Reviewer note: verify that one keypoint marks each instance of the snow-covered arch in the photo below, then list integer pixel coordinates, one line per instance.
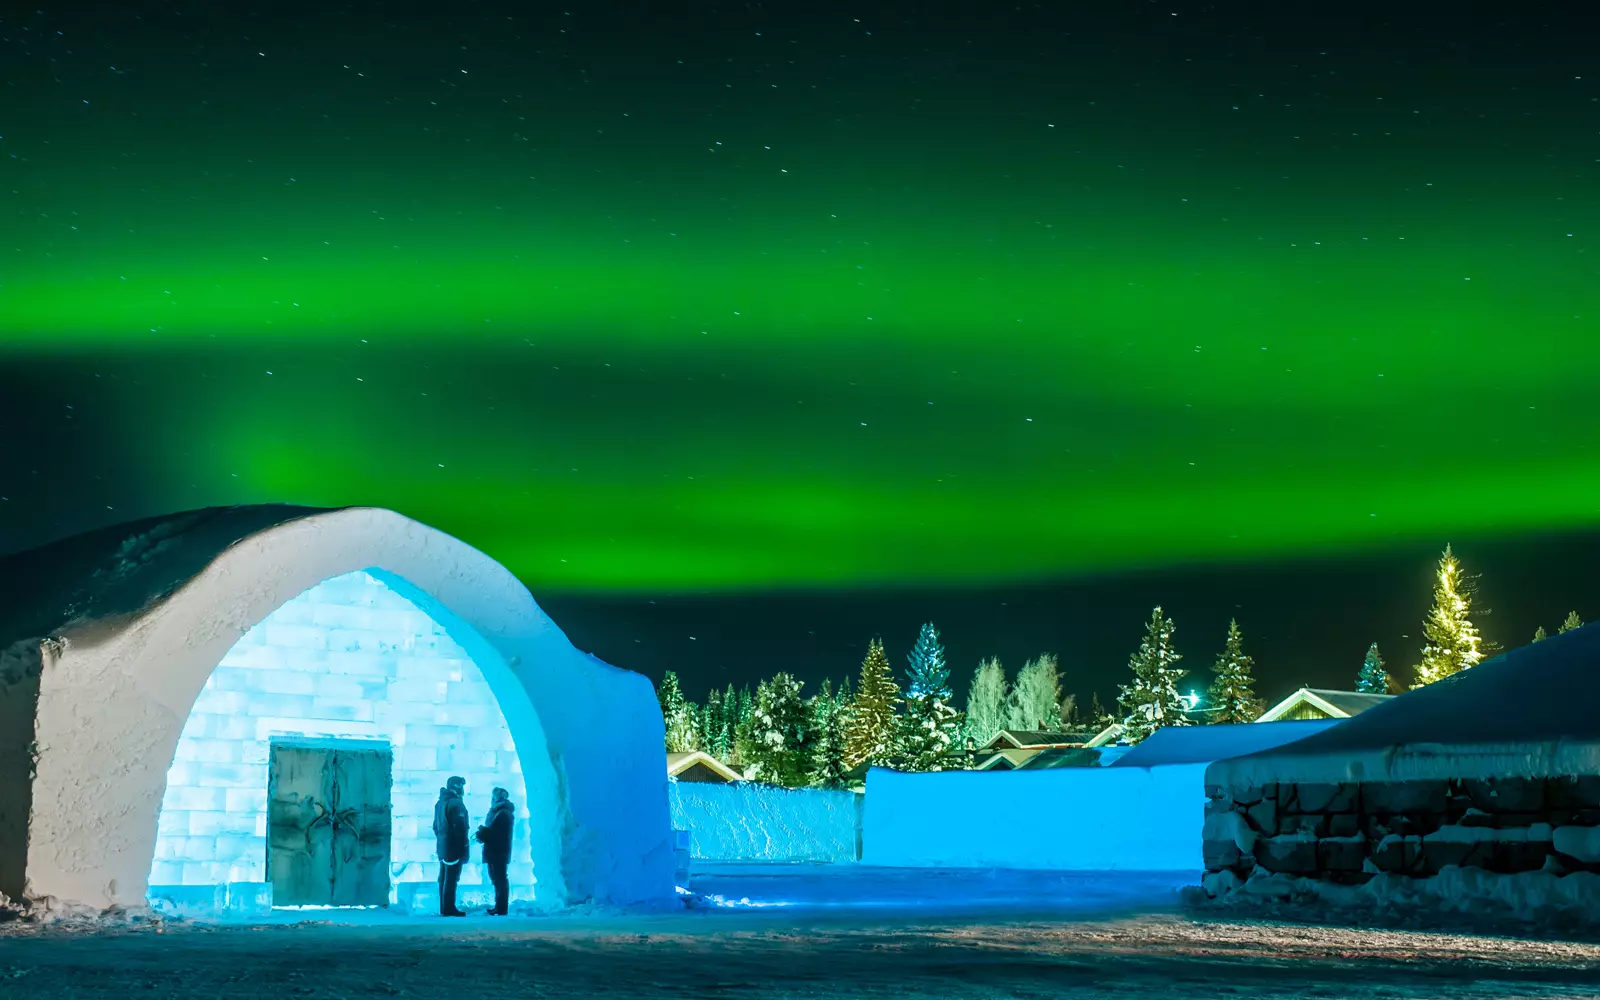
(116, 680)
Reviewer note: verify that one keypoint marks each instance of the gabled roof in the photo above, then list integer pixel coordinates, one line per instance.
(1109, 734)
(677, 763)
(1047, 760)
(1335, 704)
(1027, 739)
(1204, 744)
(1529, 712)
(995, 762)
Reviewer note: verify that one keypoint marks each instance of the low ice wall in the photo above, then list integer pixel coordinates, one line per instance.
(1071, 818)
(753, 822)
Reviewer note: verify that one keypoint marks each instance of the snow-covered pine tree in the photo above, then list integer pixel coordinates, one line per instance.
(828, 768)
(930, 727)
(1233, 685)
(709, 722)
(870, 729)
(679, 715)
(1069, 713)
(1572, 622)
(743, 723)
(1036, 697)
(777, 733)
(987, 700)
(1099, 716)
(1540, 635)
(1373, 679)
(1152, 700)
(1453, 642)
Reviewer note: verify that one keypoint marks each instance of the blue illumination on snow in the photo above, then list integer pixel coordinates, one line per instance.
(348, 659)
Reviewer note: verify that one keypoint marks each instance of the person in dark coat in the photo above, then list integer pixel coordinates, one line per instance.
(450, 840)
(495, 836)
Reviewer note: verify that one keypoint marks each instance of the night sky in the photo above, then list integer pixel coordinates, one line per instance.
(741, 332)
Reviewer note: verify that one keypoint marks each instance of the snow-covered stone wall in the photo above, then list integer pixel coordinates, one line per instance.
(1352, 833)
(1070, 818)
(747, 821)
(348, 659)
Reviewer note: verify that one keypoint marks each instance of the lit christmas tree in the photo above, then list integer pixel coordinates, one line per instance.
(987, 702)
(1233, 687)
(871, 725)
(1036, 697)
(1453, 642)
(1540, 635)
(1373, 679)
(1152, 700)
(928, 730)
(778, 724)
(1572, 622)
(679, 715)
(828, 768)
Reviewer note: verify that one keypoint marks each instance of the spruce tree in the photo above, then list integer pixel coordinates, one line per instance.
(930, 726)
(987, 702)
(926, 671)
(1233, 686)
(777, 732)
(870, 729)
(1373, 679)
(1572, 622)
(1453, 642)
(679, 716)
(1540, 635)
(1099, 716)
(828, 768)
(743, 725)
(1152, 700)
(1036, 697)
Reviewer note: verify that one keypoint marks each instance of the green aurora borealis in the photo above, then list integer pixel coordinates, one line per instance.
(850, 310)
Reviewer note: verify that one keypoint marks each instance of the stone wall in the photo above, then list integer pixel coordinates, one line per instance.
(1350, 833)
(349, 658)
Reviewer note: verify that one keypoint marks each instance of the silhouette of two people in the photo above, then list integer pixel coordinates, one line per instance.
(450, 837)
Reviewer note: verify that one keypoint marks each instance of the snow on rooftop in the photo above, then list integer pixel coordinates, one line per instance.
(1204, 744)
(1529, 712)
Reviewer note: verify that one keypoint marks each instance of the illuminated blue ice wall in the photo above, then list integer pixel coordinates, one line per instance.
(349, 658)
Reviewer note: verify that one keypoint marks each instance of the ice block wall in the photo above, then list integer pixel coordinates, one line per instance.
(349, 658)
(1069, 818)
(754, 822)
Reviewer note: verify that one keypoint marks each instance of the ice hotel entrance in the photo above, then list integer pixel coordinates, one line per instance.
(255, 707)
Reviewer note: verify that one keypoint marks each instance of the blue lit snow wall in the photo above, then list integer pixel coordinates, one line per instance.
(348, 659)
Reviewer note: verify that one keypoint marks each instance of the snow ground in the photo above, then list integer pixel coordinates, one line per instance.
(846, 931)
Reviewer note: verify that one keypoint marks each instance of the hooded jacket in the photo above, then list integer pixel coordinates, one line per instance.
(450, 827)
(495, 834)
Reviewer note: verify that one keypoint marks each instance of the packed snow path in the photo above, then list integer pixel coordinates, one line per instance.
(844, 933)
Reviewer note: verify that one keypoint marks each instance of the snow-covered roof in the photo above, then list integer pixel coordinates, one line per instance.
(1335, 704)
(121, 570)
(1049, 760)
(1023, 739)
(1529, 712)
(1204, 744)
(677, 763)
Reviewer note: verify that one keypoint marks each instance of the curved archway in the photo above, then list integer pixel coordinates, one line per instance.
(364, 660)
(116, 696)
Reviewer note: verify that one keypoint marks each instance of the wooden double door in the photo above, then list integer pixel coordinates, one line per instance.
(328, 823)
